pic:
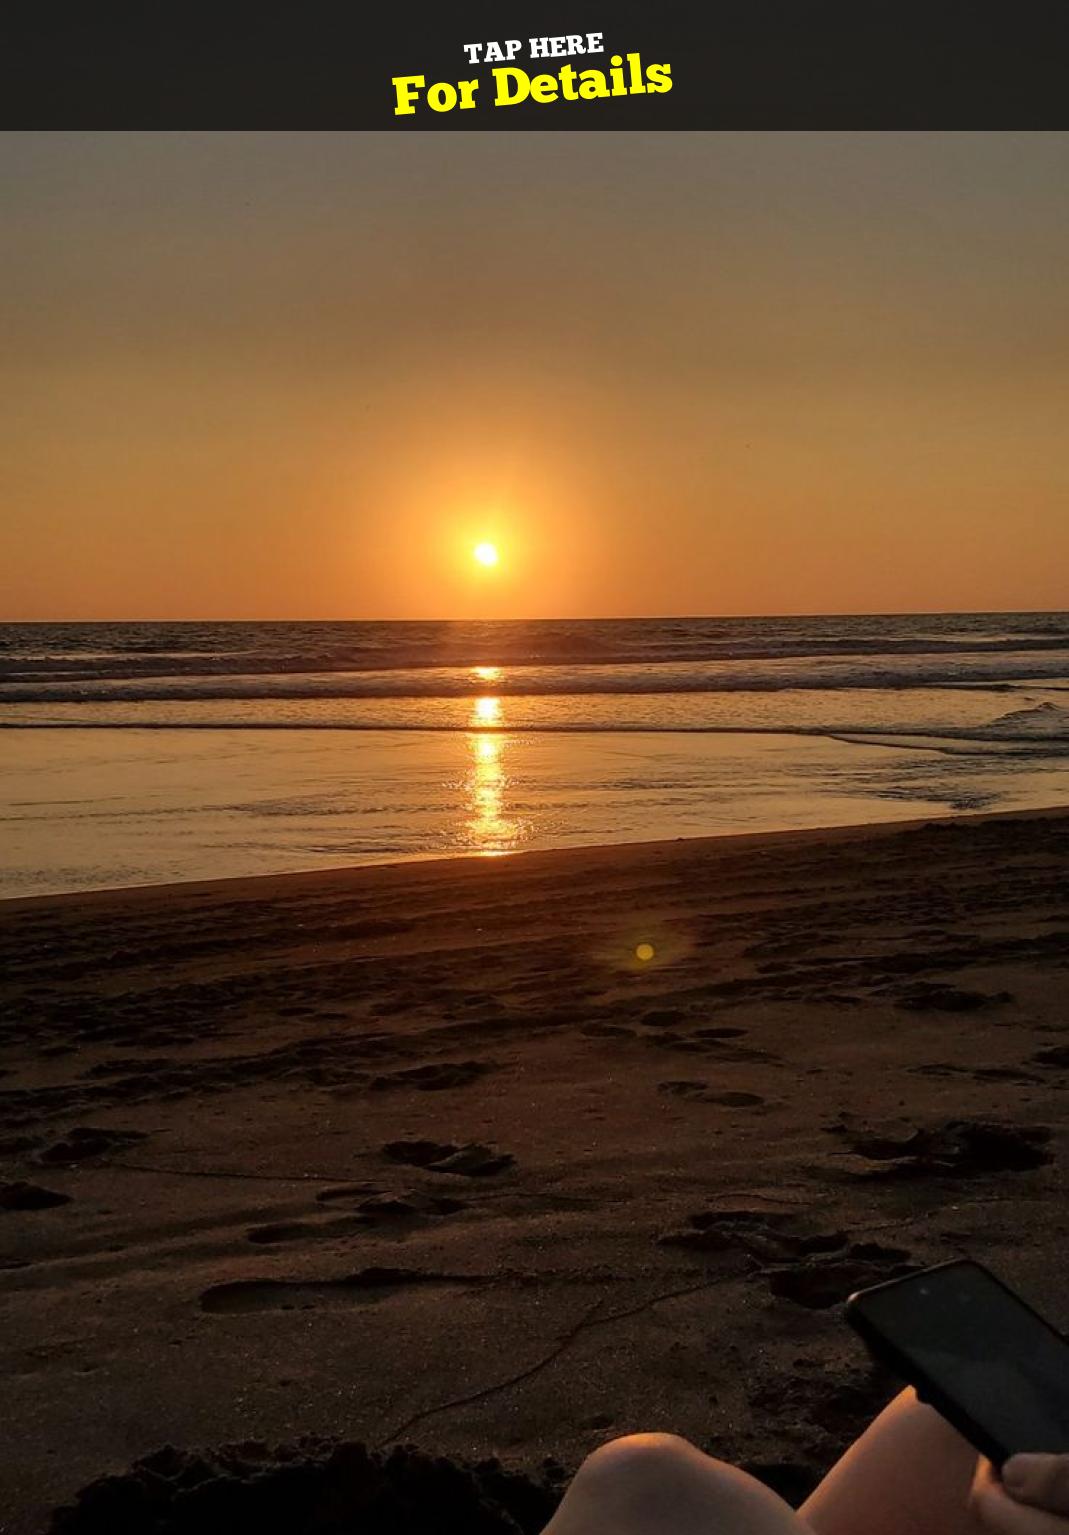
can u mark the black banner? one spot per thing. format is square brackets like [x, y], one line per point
[743, 64]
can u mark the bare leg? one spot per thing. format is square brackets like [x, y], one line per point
[656, 1484]
[908, 1474]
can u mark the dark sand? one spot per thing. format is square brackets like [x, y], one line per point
[635, 1194]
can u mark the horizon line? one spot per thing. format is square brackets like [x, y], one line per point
[574, 619]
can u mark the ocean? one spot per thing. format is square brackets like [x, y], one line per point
[137, 753]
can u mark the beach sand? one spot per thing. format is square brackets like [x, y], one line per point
[427, 1154]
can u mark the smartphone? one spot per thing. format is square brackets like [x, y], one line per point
[974, 1351]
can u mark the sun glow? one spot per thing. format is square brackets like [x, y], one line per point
[486, 554]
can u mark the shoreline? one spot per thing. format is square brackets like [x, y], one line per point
[595, 853]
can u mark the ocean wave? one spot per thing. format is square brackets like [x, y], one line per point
[772, 676]
[68, 652]
[1040, 720]
[148, 661]
[976, 740]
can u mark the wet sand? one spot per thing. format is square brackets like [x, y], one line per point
[427, 1154]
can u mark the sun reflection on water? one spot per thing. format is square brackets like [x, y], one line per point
[489, 830]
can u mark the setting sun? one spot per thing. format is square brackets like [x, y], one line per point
[486, 554]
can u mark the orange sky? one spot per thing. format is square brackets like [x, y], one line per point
[299, 376]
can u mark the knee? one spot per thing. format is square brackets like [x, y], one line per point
[637, 1461]
[652, 1482]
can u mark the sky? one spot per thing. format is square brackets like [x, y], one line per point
[303, 375]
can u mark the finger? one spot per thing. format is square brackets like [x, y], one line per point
[1040, 1480]
[999, 1514]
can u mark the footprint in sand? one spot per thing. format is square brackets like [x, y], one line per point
[978, 1073]
[470, 1161]
[408, 1206]
[85, 1143]
[663, 1017]
[432, 1078]
[345, 1191]
[308, 1231]
[29, 1196]
[825, 1282]
[935, 996]
[763, 1236]
[716, 1043]
[368, 1287]
[372, 1207]
[700, 1092]
[815, 1269]
[958, 1148]
[1052, 1055]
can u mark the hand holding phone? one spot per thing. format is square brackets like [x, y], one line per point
[976, 1352]
[1022, 1500]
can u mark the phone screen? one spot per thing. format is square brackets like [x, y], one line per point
[980, 1347]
